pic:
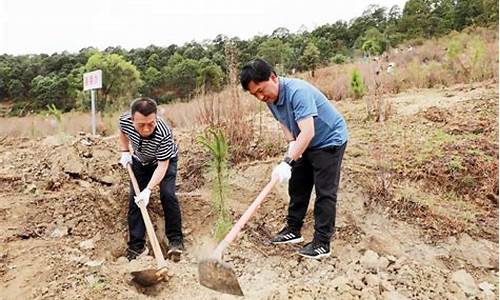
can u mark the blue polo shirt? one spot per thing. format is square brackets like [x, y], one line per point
[297, 100]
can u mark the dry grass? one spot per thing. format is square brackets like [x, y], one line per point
[443, 170]
[39, 125]
[207, 109]
[425, 66]
[245, 121]
[72, 123]
[240, 116]
[440, 203]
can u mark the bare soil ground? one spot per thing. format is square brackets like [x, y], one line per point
[63, 214]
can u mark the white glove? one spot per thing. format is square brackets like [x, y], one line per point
[282, 172]
[143, 196]
[125, 159]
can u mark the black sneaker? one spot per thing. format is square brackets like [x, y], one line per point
[134, 254]
[175, 250]
[287, 236]
[315, 250]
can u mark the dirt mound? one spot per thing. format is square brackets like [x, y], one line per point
[436, 114]
[63, 236]
[72, 187]
[71, 200]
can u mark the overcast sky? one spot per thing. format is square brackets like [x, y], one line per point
[49, 26]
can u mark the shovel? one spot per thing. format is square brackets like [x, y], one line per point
[218, 275]
[148, 277]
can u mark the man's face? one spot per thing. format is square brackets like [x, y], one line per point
[145, 125]
[265, 91]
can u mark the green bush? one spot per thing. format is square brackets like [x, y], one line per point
[54, 112]
[479, 66]
[357, 85]
[339, 59]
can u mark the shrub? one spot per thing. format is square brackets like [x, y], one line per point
[357, 85]
[339, 59]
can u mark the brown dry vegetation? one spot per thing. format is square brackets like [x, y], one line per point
[425, 66]
[420, 189]
[437, 168]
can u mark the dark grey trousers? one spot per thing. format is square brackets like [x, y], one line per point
[319, 168]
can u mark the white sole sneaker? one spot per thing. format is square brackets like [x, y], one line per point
[294, 241]
[143, 253]
[319, 256]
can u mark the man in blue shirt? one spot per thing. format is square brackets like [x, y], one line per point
[317, 136]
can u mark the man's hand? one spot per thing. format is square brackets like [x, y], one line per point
[143, 197]
[291, 147]
[282, 172]
[125, 159]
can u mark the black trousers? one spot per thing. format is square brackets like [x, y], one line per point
[169, 203]
[320, 168]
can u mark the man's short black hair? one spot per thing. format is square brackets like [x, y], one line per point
[256, 70]
[144, 105]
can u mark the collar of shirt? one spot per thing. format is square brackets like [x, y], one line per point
[281, 92]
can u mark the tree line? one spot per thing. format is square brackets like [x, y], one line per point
[33, 82]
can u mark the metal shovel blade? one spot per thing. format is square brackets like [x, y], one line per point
[149, 277]
[219, 276]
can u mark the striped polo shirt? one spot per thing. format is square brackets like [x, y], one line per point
[158, 146]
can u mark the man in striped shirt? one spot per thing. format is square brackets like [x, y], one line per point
[154, 162]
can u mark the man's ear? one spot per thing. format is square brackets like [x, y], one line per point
[273, 77]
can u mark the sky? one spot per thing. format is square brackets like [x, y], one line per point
[48, 26]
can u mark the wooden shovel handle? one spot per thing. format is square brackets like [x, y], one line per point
[245, 217]
[147, 221]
